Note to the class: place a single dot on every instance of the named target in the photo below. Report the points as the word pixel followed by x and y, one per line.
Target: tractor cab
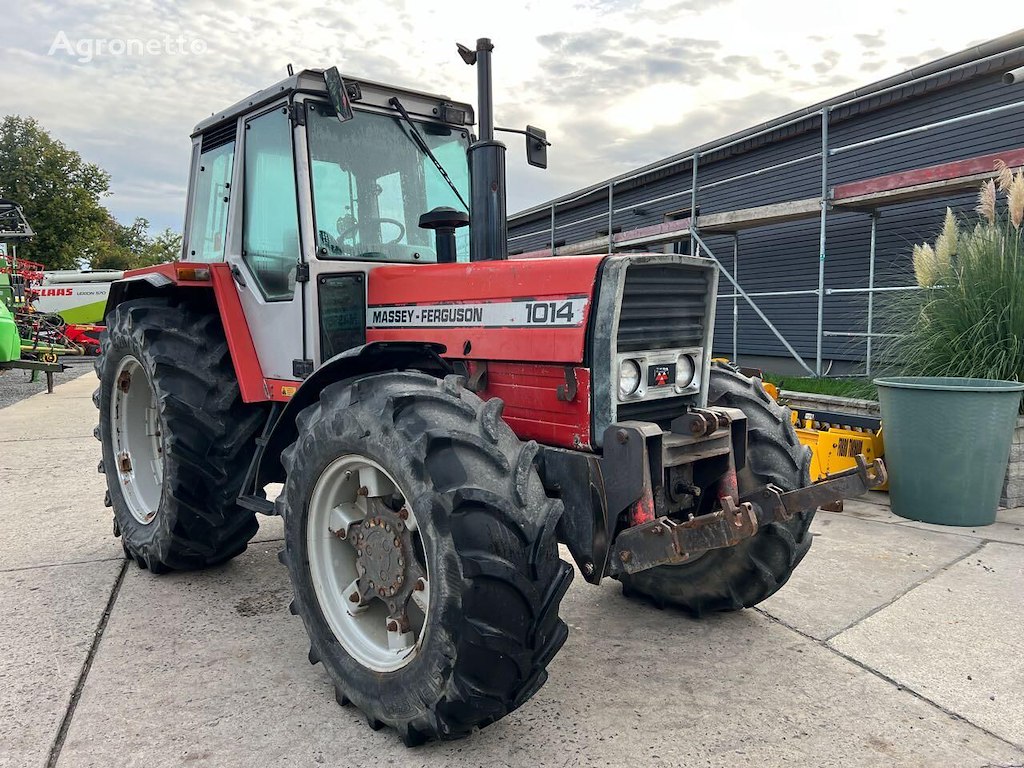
pixel 291 193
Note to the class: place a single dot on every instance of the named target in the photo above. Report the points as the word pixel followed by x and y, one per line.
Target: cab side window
pixel 212 190
pixel 270 228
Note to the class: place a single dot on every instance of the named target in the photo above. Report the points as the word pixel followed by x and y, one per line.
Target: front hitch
pixel 663 541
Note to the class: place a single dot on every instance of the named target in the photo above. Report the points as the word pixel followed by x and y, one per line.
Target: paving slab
pixel 68 412
pixel 52 493
pixel 854 567
pixel 48 618
pixel 53 503
pixel 870 506
pixel 1008 527
pixel 210 669
pixel 17 385
pixel 957 640
pixel 271 529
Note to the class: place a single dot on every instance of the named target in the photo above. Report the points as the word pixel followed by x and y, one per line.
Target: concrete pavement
pixel 895 643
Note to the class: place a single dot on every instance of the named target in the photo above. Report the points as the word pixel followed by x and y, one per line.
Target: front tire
pixel 742 576
pixel 176 437
pixel 475 514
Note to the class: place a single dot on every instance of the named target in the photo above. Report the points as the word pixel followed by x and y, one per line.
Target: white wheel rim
pixel 137 440
pixel 355 503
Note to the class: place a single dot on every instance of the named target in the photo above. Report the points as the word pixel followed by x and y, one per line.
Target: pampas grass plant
pixel 969 318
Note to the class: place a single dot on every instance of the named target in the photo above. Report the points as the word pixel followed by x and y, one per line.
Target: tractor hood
pixel 536 311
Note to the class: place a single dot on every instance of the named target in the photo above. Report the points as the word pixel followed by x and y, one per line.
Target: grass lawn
pixel 859 388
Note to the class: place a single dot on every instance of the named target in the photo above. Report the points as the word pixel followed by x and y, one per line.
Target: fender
pixel 135 287
pixel 375 357
pixel 210 286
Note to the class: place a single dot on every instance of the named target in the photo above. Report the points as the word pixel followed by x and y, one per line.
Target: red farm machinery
pixel 345 321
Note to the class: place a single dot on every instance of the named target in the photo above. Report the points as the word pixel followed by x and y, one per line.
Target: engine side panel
pixel 518 328
pixel 546 403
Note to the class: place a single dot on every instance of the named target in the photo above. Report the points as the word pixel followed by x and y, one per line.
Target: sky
pixel 616 84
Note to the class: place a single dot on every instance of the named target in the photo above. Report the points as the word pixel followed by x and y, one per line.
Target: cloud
pixel 582 66
pixel 829 59
pixel 618 83
pixel 909 62
pixel 693 6
pixel 870 41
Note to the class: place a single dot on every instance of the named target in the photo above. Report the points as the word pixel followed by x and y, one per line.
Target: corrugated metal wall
pixel 785 256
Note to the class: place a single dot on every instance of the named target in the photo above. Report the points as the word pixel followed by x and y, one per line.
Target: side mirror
pixel 337 92
pixel 536 147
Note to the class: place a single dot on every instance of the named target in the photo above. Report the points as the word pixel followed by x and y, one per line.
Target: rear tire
pixel 753 570
pixel 486 530
pixel 174 503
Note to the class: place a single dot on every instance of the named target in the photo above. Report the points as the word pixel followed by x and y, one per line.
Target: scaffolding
pixel 867 196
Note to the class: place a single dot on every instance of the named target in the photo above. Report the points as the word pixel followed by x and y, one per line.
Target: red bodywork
pixel 538 371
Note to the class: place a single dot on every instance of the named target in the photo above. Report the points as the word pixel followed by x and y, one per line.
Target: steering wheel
pixel 344 233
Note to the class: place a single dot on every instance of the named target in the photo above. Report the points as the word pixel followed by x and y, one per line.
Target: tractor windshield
pixel 371 183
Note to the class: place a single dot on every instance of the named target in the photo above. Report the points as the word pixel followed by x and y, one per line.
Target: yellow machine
pixel 835 439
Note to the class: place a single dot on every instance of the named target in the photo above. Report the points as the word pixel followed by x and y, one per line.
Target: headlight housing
pixel 629 378
pixel 686 369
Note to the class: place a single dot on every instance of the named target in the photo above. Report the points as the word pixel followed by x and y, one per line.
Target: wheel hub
pixel 382 545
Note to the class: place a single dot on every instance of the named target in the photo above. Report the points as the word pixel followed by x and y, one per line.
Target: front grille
pixel 661 412
pixel 663 307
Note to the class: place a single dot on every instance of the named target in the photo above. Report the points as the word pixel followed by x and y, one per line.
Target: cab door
pixel 265 248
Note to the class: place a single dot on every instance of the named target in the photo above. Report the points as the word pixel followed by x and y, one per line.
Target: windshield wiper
pixel 420 142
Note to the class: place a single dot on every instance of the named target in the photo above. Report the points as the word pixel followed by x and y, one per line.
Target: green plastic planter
pixel 947 441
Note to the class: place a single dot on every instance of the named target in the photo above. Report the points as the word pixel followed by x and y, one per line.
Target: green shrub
pixel 969 319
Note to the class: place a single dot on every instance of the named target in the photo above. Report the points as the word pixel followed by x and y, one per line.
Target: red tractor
pixel 441 416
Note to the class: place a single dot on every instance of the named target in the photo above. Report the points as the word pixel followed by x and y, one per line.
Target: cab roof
pixel 311 81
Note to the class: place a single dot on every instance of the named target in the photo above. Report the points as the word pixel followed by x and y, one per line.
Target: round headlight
pixel 686 368
pixel 629 377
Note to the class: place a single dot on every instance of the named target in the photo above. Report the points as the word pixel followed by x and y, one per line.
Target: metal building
pixel 811 216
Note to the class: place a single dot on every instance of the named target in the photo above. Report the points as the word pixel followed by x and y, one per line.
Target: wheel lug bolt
pixel 420 586
pixel 403 513
pixel 392 626
pixel 354 597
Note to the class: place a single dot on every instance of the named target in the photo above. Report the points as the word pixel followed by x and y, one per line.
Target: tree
pixel 130 246
pixel 59 192
pixel 164 247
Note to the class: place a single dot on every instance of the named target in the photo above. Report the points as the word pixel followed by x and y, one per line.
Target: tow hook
pixel 664 541
pixel 777 504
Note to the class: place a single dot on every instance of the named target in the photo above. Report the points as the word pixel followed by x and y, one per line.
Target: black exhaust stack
pixel 488 230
